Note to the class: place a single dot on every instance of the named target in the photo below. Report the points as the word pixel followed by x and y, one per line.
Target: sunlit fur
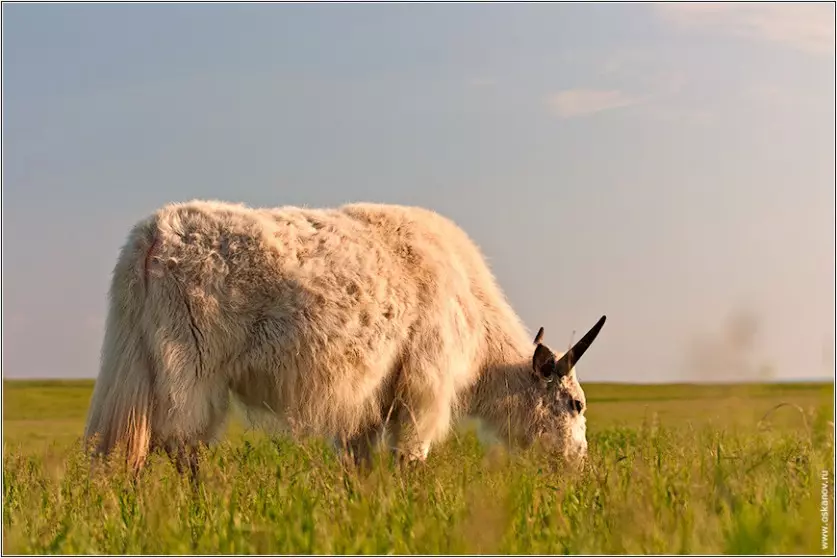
pixel 337 322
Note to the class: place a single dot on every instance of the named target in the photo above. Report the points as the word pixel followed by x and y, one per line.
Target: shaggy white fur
pixel 349 323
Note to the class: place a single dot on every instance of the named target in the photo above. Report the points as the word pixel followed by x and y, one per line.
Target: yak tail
pixel 123 398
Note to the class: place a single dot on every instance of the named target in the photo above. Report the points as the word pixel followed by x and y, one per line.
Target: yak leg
pixel 358 449
pixel 422 412
pixel 195 417
pixel 184 456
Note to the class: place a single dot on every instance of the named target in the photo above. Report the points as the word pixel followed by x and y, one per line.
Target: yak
pixel 358 323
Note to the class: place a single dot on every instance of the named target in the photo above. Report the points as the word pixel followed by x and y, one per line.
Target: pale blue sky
pixel 670 166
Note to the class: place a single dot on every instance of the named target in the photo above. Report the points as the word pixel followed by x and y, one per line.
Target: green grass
pixel 672 469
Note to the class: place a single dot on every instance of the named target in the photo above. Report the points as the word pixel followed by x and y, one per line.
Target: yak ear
pixel 544 363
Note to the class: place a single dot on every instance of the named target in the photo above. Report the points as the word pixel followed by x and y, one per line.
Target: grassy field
pixel 672 469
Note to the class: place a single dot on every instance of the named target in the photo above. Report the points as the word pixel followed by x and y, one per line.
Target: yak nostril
pixel 576 405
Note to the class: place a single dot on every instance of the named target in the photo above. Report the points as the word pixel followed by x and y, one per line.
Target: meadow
pixel 672 469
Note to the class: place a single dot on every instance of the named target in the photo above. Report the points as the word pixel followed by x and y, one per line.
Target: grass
pixel 672 469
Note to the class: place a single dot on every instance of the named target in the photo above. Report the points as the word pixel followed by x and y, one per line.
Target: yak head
pixel 558 421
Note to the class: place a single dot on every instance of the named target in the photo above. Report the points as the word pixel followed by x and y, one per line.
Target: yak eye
pixel 576 405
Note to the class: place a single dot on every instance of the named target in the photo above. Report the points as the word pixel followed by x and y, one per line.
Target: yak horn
pixel 571 357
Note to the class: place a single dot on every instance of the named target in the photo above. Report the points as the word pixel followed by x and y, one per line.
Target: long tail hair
pixel 123 398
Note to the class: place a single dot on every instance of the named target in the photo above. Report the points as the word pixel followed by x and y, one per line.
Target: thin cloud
pixel 582 102
pixel 808 27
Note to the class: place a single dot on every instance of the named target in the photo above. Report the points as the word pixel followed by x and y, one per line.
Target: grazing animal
pixel 358 322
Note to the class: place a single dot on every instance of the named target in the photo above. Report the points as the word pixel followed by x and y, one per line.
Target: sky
pixel 669 165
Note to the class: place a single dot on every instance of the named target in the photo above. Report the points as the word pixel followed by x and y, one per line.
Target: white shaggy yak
pixel 349 323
